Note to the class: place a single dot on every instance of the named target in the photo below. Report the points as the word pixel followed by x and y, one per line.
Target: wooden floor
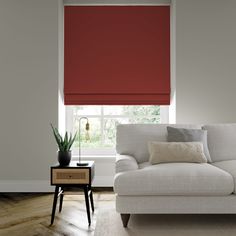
pixel 29 214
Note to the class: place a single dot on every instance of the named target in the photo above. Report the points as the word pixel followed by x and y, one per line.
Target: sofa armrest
pixel 125 163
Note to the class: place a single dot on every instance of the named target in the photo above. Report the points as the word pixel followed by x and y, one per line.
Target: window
pixel 103 121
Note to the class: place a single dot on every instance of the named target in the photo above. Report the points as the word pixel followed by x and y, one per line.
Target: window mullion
pixel 102 126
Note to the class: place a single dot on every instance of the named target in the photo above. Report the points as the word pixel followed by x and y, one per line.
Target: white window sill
pixel 97 158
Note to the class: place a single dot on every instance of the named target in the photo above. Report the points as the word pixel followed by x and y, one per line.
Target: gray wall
pixel 205 77
pixel 28 88
pixel 205 61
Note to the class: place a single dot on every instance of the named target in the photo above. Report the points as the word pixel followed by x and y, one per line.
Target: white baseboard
pixel 44 185
pixel 104 176
pixel 103 181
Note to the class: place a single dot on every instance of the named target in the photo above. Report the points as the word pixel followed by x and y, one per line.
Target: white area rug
pixel 109 224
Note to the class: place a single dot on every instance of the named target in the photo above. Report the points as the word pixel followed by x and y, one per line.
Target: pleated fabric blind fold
pixel 117 55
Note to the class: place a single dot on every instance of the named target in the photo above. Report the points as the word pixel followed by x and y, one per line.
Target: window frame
pixel 105 151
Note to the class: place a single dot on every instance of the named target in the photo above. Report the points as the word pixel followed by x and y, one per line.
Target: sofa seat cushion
pixel 228 166
pixel 179 179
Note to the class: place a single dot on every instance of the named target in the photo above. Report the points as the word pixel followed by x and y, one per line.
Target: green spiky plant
pixel 65 144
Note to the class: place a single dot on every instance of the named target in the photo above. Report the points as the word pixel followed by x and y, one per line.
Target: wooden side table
pixel 72 176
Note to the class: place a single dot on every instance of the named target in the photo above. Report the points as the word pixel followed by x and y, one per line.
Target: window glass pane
pixel 145 120
pixel 113 110
pixel 94 133
pixel 110 130
pixel 86 110
pixel 141 110
pixel 132 110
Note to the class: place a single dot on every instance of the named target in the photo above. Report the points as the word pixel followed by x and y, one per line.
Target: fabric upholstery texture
pixel 185 179
pixel 125 163
pixel 228 166
pixel 132 139
pixel 161 152
pixel 179 188
pixel 189 135
pixel 221 141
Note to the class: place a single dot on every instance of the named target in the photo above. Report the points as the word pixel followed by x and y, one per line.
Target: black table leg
pixel 91 199
pixel 54 204
pixel 87 203
pixel 61 201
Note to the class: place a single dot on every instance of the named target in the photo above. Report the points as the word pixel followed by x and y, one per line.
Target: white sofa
pixel 174 188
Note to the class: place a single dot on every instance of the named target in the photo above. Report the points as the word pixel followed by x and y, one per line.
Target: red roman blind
pixel 117 55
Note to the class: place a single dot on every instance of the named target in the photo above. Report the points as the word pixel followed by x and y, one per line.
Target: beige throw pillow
pixel 176 152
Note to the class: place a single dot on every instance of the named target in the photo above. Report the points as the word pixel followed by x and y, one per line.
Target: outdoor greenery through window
pixel 103 121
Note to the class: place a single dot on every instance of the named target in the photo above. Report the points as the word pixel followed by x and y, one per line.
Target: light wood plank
pixel 29 214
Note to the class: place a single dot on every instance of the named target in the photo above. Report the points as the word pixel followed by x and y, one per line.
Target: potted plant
pixel 64 145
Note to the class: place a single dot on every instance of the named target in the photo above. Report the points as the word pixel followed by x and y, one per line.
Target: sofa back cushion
pixel 132 139
pixel 221 141
pixel 189 135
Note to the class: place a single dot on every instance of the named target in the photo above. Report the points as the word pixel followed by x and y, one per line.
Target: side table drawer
pixel 70 176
